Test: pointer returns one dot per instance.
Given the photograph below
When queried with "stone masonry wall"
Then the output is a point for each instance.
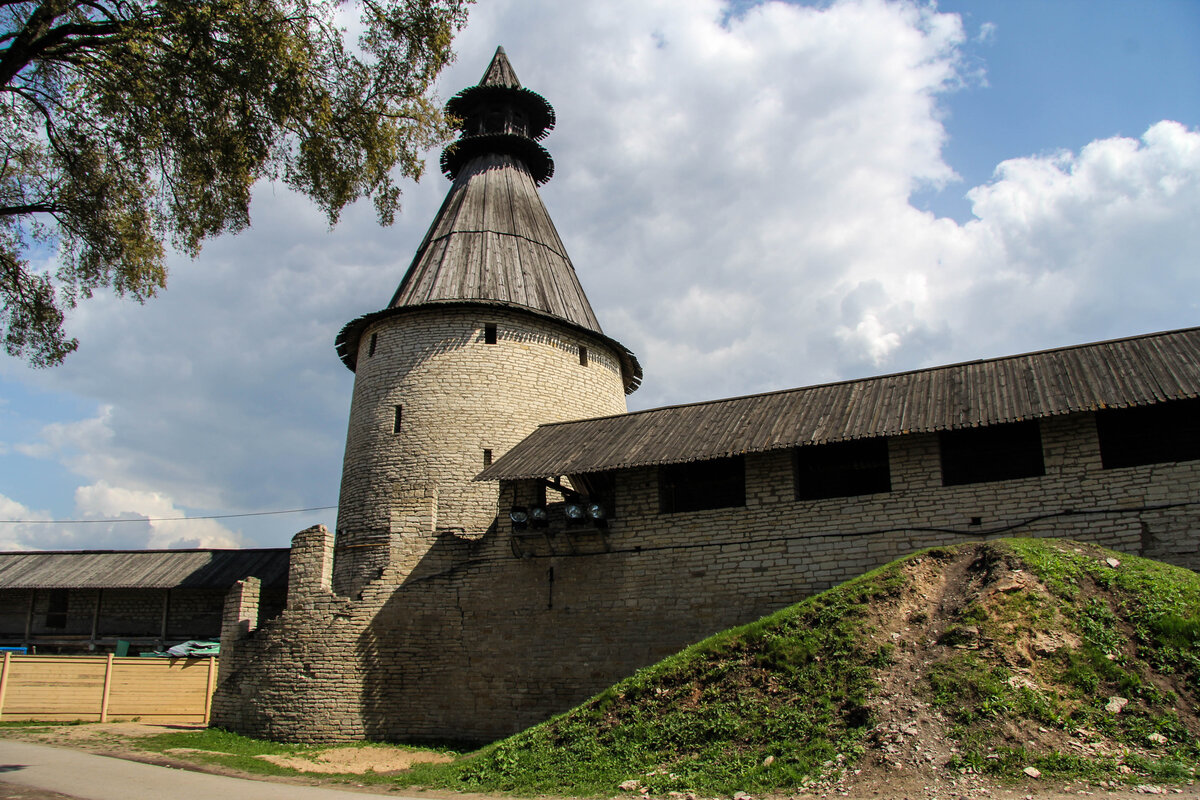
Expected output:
(459, 397)
(474, 642)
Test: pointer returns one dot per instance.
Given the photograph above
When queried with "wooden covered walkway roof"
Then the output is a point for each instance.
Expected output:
(143, 569)
(1139, 370)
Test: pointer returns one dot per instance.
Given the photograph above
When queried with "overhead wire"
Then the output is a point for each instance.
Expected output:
(161, 519)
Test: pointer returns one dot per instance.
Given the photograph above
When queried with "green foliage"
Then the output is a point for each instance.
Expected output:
(128, 123)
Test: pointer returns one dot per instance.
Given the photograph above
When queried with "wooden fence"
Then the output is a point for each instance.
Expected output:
(106, 688)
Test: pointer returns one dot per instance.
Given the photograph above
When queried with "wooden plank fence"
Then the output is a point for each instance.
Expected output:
(106, 688)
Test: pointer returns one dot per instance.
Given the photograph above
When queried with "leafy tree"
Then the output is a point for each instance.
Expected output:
(125, 124)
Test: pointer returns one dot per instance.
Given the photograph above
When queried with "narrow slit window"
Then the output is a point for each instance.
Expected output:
(487, 458)
(398, 418)
(371, 347)
(582, 356)
(489, 333)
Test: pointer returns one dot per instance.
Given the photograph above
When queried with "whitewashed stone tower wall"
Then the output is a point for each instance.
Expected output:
(488, 336)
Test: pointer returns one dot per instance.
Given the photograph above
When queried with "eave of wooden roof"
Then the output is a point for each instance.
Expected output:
(1134, 371)
(143, 569)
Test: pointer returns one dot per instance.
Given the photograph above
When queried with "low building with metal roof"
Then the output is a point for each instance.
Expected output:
(91, 600)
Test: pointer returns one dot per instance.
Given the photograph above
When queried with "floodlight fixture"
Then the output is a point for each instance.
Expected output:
(538, 517)
(519, 517)
(576, 512)
(598, 515)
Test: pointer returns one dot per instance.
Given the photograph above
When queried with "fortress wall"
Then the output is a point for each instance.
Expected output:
(458, 396)
(476, 643)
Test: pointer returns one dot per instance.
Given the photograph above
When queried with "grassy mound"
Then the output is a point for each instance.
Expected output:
(982, 658)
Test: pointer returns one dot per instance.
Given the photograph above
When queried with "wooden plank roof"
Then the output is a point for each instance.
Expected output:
(493, 241)
(1139, 370)
(143, 569)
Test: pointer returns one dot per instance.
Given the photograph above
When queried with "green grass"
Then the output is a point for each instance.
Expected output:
(776, 703)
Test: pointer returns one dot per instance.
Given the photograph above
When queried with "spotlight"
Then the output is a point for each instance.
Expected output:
(576, 513)
(597, 515)
(538, 517)
(519, 517)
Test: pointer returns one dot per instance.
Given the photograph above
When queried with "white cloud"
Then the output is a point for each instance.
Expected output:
(735, 196)
(110, 517)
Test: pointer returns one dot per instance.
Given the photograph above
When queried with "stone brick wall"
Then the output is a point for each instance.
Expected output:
(459, 397)
(485, 635)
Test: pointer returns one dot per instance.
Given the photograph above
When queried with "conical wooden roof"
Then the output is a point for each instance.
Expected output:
(492, 242)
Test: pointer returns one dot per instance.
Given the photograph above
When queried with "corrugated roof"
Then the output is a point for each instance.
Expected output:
(1139, 370)
(143, 569)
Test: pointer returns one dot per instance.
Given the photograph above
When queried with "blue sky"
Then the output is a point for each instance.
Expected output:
(1063, 72)
(755, 197)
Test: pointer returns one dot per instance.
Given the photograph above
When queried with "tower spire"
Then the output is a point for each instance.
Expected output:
(500, 72)
(500, 116)
(492, 242)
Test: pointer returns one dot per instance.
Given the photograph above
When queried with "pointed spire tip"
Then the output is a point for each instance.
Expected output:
(499, 72)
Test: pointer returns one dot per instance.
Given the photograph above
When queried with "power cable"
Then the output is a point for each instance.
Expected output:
(160, 519)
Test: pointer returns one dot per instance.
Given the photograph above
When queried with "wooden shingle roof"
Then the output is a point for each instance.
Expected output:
(1135, 371)
(143, 569)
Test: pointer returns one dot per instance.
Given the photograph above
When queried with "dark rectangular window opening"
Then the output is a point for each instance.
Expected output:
(992, 453)
(489, 333)
(371, 347)
(1156, 434)
(582, 356)
(487, 458)
(397, 420)
(57, 608)
(701, 485)
(842, 469)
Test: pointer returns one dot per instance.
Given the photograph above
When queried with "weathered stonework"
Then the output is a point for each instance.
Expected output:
(473, 642)
(458, 397)
(431, 618)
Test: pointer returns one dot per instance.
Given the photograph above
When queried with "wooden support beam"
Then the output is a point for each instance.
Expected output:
(4, 670)
(108, 671)
(208, 692)
(96, 620)
(166, 610)
(29, 618)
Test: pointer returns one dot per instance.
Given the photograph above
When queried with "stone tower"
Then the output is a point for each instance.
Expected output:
(488, 335)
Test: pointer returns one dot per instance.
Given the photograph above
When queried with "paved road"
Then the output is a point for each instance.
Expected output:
(36, 771)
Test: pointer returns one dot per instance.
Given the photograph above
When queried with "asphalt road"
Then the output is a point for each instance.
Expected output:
(40, 772)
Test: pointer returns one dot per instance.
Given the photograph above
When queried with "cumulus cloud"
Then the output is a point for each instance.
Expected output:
(734, 191)
(110, 517)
